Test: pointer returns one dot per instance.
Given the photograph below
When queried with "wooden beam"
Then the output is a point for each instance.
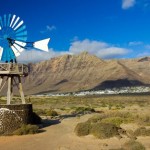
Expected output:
(21, 90)
(9, 91)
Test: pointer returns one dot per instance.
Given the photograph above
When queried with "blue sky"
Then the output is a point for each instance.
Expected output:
(106, 28)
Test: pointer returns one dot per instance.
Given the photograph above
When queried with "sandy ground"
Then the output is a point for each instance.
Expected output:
(61, 136)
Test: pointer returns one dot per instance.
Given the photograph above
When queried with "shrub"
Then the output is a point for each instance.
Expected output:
(104, 130)
(83, 110)
(113, 120)
(83, 129)
(95, 119)
(51, 112)
(46, 112)
(26, 129)
(142, 131)
(39, 112)
(133, 145)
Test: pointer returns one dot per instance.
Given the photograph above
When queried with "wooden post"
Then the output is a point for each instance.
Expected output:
(9, 91)
(21, 90)
(10, 71)
(1, 80)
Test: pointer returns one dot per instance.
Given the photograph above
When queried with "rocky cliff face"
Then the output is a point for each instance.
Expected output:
(83, 72)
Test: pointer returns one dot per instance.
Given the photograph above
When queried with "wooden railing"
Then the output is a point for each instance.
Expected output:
(13, 68)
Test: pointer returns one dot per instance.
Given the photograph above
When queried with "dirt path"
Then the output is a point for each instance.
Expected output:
(59, 137)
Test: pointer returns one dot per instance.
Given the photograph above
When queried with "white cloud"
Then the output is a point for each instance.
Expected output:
(128, 3)
(147, 47)
(144, 54)
(37, 56)
(135, 43)
(100, 49)
(48, 29)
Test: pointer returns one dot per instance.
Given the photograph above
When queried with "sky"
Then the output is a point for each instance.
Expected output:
(109, 29)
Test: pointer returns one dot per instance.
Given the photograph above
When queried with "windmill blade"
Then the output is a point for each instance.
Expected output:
(21, 38)
(13, 18)
(20, 43)
(7, 54)
(15, 22)
(1, 21)
(9, 17)
(20, 23)
(17, 47)
(5, 20)
(42, 44)
(24, 33)
(15, 51)
(21, 29)
(1, 52)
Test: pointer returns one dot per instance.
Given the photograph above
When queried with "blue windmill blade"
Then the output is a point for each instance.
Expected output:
(19, 25)
(5, 20)
(21, 28)
(21, 38)
(1, 52)
(16, 21)
(22, 34)
(9, 19)
(12, 20)
(8, 55)
(11, 29)
(1, 21)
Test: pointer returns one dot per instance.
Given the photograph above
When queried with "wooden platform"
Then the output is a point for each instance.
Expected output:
(13, 69)
(11, 73)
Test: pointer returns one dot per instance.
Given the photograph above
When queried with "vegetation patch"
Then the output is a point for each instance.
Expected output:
(46, 112)
(83, 110)
(26, 129)
(143, 120)
(104, 130)
(142, 131)
(114, 120)
(83, 129)
(51, 112)
(133, 145)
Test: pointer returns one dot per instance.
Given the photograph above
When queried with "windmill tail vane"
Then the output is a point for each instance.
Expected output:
(13, 36)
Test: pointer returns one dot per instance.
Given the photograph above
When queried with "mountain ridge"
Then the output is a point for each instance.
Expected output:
(70, 73)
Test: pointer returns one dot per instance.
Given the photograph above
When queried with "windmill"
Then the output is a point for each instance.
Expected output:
(13, 40)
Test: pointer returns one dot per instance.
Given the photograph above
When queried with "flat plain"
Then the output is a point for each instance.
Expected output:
(60, 116)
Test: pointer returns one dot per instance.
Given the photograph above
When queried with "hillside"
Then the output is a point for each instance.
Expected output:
(83, 72)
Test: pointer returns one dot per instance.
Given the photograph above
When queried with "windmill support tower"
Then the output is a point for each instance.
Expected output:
(10, 74)
(13, 41)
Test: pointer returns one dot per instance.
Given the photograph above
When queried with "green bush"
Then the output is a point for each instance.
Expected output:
(113, 120)
(104, 130)
(26, 129)
(83, 129)
(133, 145)
(46, 112)
(95, 119)
(83, 110)
(51, 112)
